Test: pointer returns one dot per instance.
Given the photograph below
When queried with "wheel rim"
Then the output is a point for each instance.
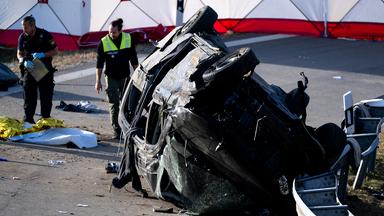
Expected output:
(229, 60)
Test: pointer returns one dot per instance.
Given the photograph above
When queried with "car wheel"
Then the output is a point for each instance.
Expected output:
(219, 80)
(230, 68)
(201, 21)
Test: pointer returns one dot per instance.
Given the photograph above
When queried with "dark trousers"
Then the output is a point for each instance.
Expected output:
(114, 91)
(45, 88)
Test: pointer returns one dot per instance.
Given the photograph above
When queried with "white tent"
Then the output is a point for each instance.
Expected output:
(136, 14)
(139, 16)
(336, 18)
(64, 20)
(69, 20)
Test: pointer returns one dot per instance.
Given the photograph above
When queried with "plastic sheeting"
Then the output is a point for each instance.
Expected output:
(11, 127)
(59, 136)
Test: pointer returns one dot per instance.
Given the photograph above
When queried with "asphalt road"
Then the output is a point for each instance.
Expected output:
(332, 66)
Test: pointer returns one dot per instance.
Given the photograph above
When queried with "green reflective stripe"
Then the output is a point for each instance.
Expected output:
(108, 45)
(125, 41)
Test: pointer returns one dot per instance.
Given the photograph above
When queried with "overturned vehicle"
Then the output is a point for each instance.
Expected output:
(210, 135)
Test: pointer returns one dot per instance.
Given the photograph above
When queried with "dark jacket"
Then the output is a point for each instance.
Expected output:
(116, 62)
(42, 41)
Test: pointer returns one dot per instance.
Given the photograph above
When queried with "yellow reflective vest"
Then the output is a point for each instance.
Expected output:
(109, 46)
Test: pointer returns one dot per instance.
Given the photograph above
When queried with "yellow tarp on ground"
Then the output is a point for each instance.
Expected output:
(10, 127)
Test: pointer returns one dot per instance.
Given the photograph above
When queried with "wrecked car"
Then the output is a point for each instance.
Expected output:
(208, 134)
(7, 77)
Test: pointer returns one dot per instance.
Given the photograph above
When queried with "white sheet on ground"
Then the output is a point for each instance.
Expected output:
(59, 136)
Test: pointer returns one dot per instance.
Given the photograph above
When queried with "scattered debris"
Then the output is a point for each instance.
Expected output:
(163, 209)
(82, 205)
(65, 212)
(112, 167)
(82, 106)
(186, 212)
(55, 163)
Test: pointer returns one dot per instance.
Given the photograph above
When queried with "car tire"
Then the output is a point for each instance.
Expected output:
(219, 80)
(333, 140)
(202, 21)
(230, 68)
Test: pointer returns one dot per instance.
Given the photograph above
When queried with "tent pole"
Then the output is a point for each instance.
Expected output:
(106, 20)
(325, 17)
(179, 12)
(65, 27)
(145, 13)
(309, 20)
(21, 16)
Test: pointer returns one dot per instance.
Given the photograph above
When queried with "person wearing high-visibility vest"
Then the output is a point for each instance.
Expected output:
(116, 50)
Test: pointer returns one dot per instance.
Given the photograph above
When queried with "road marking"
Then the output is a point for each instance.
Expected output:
(58, 79)
(75, 75)
(92, 71)
(256, 40)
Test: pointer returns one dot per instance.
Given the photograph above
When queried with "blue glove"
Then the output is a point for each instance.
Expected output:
(39, 55)
(29, 65)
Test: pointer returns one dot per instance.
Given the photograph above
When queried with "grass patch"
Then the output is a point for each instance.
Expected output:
(65, 59)
(368, 200)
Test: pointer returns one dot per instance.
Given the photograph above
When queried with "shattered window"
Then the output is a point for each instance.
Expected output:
(131, 102)
(153, 126)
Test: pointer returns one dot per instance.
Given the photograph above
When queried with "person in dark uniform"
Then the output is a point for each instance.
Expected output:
(36, 43)
(116, 50)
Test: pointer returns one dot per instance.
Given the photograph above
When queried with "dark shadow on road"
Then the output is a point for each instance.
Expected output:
(65, 84)
(61, 95)
(104, 151)
(68, 96)
(28, 163)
